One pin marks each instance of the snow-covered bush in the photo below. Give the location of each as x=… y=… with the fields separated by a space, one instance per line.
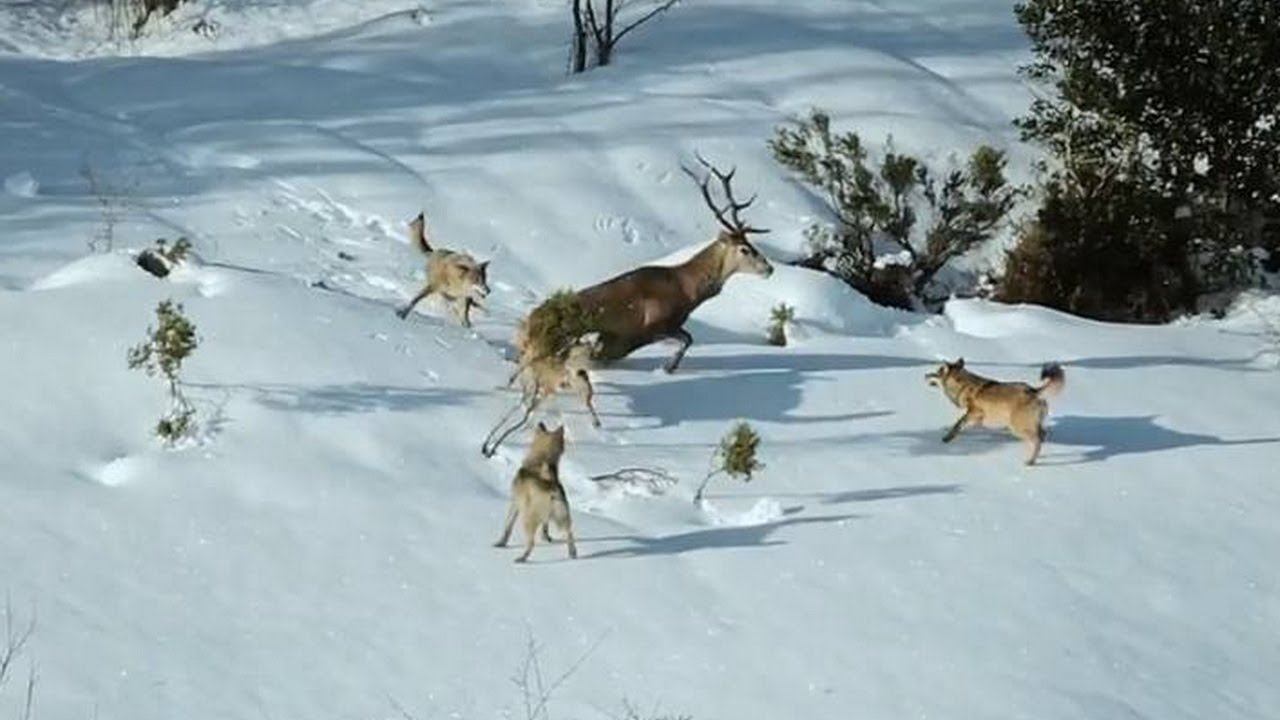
x=132 y=15
x=1165 y=135
x=166 y=347
x=875 y=207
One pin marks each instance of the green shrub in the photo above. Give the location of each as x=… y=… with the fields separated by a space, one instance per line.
x=165 y=349
x=872 y=204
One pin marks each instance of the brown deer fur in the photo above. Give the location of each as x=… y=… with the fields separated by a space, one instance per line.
x=653 y=302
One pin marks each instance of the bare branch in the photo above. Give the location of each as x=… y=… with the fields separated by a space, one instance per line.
x=15 y=641
x=535 y=692
x=644 y=19
x=656 y=480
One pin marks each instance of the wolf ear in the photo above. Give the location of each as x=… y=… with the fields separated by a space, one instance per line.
x=484 y=267
x=958 y=364
x=542 y=426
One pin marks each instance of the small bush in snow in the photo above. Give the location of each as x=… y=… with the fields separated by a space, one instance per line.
x=874 y=207
x=558 y=323
x=735 y=457
x=166 y=347
x=779 y=318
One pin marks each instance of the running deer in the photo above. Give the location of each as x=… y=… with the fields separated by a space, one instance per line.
x=653 y=302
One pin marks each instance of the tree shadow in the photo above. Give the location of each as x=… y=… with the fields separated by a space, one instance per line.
x=851 y=496
x=1138 y=362
x=1101 y=438
x=765 y=395
x=710 y=538
x=1108 y=437
x=784 y=360
x=892 y=493
x=348 y=398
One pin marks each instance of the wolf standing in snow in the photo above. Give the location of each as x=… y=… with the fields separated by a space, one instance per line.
x=456 y=275
x=537 y=495
x=1013 y=405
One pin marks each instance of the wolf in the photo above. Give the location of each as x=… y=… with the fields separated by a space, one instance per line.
x=1017 y=406
x=537 y=495
x=543 y=376
x=455 y=275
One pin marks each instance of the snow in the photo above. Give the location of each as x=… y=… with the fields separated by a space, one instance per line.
x=323 y=549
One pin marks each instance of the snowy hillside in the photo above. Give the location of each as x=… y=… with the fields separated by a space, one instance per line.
x=324 y=551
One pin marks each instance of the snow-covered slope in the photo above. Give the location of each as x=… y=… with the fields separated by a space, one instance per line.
x=324 y=550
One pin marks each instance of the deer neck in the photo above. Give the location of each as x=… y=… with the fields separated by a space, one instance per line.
x=702 y=275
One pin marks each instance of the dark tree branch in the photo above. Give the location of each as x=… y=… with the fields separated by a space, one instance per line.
x=644 y=19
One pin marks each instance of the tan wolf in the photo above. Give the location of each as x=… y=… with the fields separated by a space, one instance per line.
x=537 y=495
x=1013 y=405
x=455 y=275
x=542 y=377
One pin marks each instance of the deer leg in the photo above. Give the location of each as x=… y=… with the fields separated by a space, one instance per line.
x=425 y=291
x=685 y=339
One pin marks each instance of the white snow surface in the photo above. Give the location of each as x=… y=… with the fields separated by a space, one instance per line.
x=323 y=550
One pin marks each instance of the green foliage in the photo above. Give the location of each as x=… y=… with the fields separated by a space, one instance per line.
x=168 y=344
x=1165 y=134
x=871 y=204
x=176 y=253
x=555 y=325
x=736 y=455
x=779 y=317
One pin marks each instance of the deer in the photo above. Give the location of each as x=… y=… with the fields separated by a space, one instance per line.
x=653 y=302
x=457 y=276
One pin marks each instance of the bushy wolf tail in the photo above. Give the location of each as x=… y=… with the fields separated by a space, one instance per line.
x=1054 y=380
x=418 y=233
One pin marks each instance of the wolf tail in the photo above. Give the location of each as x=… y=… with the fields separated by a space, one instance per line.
x=1054 y=380
x=418 y=233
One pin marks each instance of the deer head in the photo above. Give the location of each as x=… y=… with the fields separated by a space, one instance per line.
x=739 y=254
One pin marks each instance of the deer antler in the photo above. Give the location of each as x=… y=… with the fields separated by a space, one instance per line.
x=734 y=223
